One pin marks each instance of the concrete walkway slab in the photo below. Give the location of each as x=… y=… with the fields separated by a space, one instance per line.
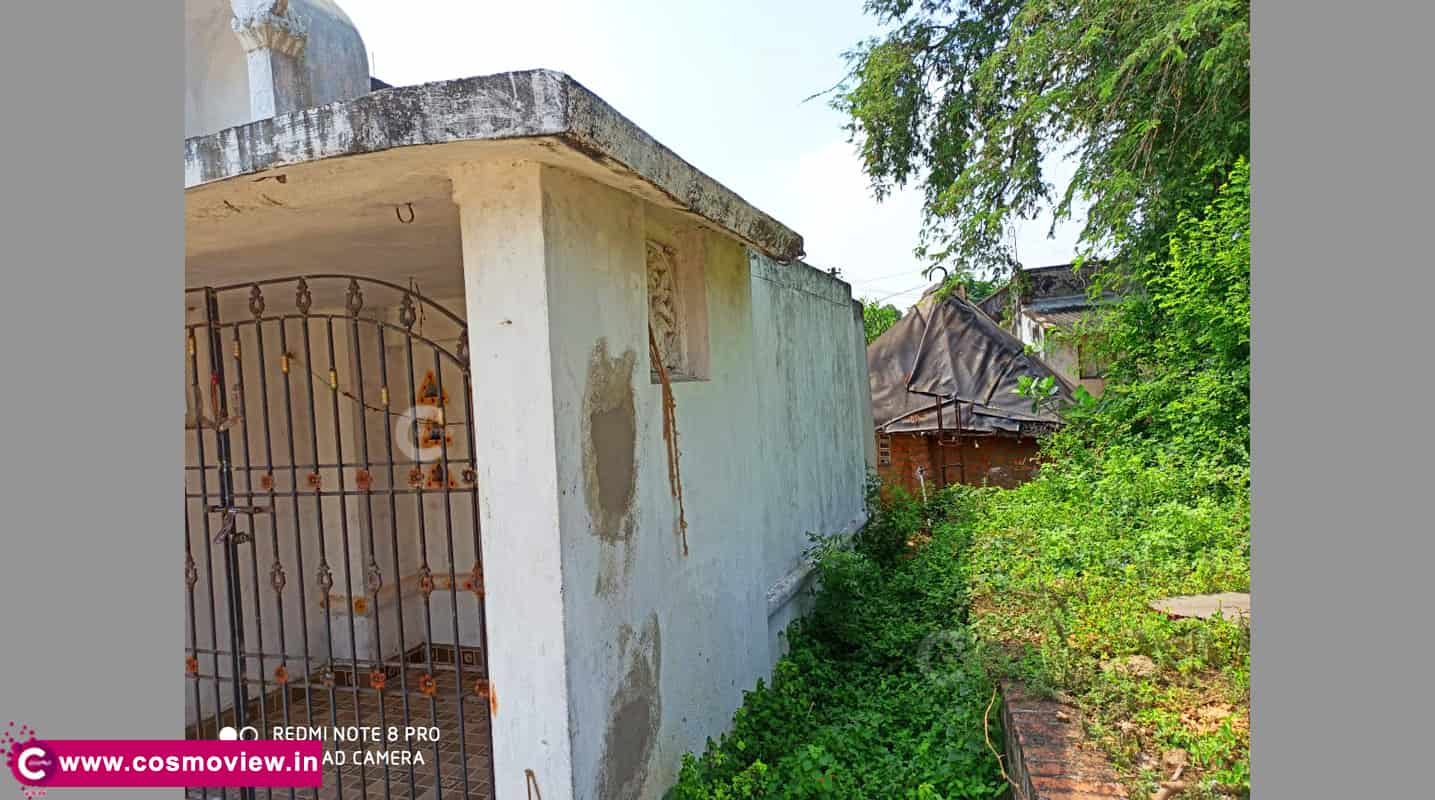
x=1230 y=605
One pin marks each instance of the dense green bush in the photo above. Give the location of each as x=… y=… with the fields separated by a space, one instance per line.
x=1179 y=346
x=882 y=694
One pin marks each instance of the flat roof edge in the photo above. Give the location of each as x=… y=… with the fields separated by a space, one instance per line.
x=510 y=105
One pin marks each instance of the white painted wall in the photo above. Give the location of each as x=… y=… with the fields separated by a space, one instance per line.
x=1064 y=356
x=612 y=653
x=216 y=71
x=506 y=286
x=809 y=343
x=220 y=89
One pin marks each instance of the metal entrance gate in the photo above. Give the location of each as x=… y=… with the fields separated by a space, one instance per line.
x=332 y=562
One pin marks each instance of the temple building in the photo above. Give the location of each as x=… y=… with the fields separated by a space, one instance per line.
x=499 y=415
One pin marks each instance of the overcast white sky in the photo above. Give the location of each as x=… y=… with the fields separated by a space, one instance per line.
x=721 y=83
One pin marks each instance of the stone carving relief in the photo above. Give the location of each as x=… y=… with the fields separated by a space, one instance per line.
x=270 y=25
x=663 y=308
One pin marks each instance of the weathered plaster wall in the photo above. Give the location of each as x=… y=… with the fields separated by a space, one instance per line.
x=216 y=72
x=220 y=89
x=1060 y=356
x=813 y=414
x=657 y=646
x=501 y=210
x=336 y=62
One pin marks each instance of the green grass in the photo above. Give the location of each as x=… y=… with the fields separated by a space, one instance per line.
x=887 y=688
x=1061 y=572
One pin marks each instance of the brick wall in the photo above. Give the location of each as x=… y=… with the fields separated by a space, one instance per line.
x=1047 y=754
x=974 y=460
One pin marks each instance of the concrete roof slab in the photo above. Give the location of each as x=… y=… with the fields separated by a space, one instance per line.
x=534 y=104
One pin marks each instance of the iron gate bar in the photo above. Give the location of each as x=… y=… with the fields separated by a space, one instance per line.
x=193 y=351
x=440 y=347
x=407 y=317
x=204 y=526
x=480 y=590
x=313 y=276
x=253 y=539
x=460 y=489
x=190 y=575
x=224 y=457
x=394 y=541
x=273 y=518
x=445 y=480
x=298 y=539
x=344 y=532
x=325 y=574
x=374 y=578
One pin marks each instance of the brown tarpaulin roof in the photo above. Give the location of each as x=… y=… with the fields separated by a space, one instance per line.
x=949 y=349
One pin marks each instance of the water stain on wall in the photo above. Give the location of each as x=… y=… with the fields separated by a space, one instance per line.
x=634 y=714
x=610 y=446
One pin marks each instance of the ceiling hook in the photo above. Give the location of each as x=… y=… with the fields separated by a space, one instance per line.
x=400 y=215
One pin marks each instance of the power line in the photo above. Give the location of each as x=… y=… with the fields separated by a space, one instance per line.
x=883 y=277
x=904 y=291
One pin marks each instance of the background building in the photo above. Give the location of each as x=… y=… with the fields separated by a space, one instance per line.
x=1042 y=307
x=944 y=401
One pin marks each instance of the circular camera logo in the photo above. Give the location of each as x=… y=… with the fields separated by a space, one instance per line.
x=420 y=433
x=34 y=763
x=31 y=761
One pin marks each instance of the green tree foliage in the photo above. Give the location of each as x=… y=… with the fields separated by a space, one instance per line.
x=1180 y=352
x=877 y=318
x=964 y=98
x=978 y=289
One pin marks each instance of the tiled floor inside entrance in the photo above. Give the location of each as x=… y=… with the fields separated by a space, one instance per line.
x=440 y=776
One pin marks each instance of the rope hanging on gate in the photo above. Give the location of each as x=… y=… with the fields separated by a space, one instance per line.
x=532 y=780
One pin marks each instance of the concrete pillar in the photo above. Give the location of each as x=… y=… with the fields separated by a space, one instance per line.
x=507 y=286
x=273 y=40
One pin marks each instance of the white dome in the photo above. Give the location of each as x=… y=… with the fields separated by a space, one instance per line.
x=308 y=54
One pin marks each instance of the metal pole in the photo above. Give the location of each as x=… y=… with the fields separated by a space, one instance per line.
x=227 y=507
x=941 y=450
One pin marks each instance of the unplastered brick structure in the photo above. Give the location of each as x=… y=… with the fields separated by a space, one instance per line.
x=912 y=459
x=944 y=400
x=1048 y=756
x=479 y=367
